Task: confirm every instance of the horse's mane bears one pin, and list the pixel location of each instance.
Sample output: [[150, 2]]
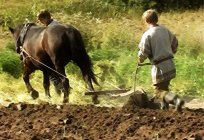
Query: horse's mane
[[20, 26], [32, 24]]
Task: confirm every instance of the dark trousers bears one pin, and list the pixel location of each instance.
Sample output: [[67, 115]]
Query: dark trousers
[[161, 89], [163, 85]]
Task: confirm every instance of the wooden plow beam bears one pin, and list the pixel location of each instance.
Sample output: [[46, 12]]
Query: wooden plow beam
[[103, 92]]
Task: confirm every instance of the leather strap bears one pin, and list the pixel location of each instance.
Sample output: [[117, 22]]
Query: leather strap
[[155, 62]]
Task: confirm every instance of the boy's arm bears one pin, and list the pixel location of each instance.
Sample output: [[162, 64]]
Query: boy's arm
[[141, 57], [174, 42], [144, 49]]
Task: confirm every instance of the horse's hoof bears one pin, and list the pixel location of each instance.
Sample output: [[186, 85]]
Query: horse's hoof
[[66, 100], [34, 94], [95, 100]]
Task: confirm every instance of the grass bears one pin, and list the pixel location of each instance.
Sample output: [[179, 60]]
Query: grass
[[111, 42]]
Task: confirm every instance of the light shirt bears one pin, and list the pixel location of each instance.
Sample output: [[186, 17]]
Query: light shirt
[[159, 45]]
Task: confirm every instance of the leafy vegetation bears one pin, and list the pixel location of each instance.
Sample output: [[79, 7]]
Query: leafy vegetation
[[9, 61], [111, 30]]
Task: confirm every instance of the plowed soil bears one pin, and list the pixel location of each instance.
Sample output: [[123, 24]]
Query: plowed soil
[[69, 122]]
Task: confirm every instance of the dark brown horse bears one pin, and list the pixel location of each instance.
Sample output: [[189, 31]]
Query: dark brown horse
[[50, 49]]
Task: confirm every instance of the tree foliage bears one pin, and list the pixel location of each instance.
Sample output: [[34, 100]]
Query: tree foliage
[[165, 5]]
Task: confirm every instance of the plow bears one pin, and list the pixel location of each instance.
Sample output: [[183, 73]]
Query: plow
[[140, 99], [135, 98], [120, 92]]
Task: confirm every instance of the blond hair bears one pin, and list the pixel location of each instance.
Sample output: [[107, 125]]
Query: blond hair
[[150, 16]]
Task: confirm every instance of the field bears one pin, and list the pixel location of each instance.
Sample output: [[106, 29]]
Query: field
[[111, 34], [77, 122]]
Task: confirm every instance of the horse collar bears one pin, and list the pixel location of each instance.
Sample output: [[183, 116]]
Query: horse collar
[[22, 34]]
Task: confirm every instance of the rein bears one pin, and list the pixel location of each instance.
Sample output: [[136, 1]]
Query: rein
[[21, 38], [28, 55]]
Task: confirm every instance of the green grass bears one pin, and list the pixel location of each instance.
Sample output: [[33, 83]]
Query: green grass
[[111, 39]]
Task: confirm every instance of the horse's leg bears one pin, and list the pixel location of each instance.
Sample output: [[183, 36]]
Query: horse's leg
[[65, 84], [46, 83], [26, 76], [91, 88], [56, 82]]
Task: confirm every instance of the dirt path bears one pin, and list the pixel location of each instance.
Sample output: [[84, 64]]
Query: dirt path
[[40, 122], [193, 102]]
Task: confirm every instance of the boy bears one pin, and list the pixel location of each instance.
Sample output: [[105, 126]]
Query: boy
[[45, 18], [159, 45]]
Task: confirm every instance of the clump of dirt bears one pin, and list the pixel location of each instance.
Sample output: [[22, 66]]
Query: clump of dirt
[[139, 100], [70, 122], [136, 100]]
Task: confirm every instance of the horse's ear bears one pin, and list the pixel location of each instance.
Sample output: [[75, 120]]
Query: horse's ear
[[11, 30]]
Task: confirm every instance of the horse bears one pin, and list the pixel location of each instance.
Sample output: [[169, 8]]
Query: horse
[[50, 49]]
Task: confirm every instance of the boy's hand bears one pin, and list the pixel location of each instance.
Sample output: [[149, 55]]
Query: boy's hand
[[140, 60]]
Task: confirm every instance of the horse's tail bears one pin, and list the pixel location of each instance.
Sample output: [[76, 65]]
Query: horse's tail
[[79, 54]]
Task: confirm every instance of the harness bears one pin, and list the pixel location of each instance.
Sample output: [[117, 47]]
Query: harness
[[23, 53], [21, 38]]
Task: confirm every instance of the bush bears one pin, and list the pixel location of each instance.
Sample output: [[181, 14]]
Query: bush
[[10, 62], [10, 47]]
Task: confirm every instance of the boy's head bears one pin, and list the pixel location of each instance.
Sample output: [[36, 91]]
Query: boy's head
[[150, 16], [44, 17]]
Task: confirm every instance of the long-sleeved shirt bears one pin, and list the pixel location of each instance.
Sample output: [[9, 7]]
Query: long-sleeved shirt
[[159, 45]]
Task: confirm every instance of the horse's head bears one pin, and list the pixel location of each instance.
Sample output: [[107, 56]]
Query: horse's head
[[19, 34], [16, 33]]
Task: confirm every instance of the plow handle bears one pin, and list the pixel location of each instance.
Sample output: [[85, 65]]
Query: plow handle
[[143, 64], [136, 71]]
